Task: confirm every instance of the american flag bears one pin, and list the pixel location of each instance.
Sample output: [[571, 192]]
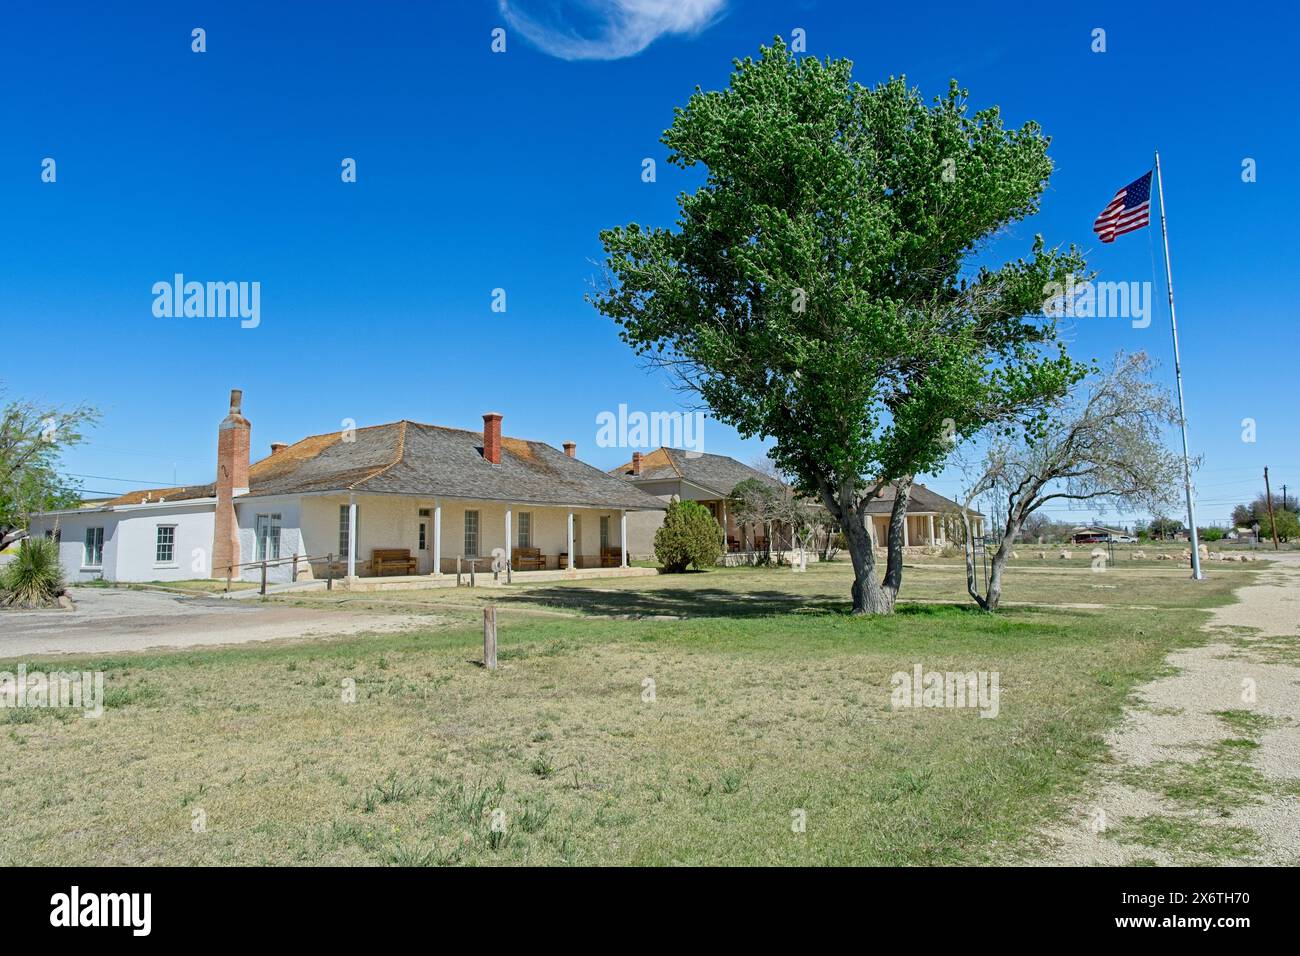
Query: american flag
[[1129, 210]]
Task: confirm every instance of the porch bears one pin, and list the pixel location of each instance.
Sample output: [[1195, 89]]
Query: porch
[[484, 579], [927, 529], [399, 537]]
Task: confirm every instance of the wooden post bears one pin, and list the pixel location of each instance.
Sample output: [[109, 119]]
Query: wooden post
[[458, 571], [263, 590], [490, 636], [473, 566], [329, 571], [295, 568], [1268, 496], [229, 571]]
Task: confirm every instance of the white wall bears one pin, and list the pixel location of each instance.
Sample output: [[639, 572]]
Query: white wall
[[291, 539], [72, 530], [136, 537], [130, 542]]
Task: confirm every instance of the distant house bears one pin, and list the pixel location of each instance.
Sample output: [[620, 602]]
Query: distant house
[[1095, 533], [400, 497], [668, 473], [932, 519]]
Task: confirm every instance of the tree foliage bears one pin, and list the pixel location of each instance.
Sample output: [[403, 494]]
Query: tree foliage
[[818, 288], [1288, 525], [31, 437]]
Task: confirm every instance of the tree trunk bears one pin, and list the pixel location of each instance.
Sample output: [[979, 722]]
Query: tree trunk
[[989, 602], [868, 595], [999, 563], [897, 519]]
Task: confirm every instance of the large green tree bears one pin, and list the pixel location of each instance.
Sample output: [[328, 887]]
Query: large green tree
[[819, 287]]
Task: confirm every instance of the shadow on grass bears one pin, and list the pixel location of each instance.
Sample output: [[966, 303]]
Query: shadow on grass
[[699, 602]]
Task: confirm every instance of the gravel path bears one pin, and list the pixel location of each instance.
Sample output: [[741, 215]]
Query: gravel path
[[109, 620], [1175, 792]]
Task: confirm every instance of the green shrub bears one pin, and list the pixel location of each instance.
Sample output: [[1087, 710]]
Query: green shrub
[[34, 578], [1211, 534], [689, 536]]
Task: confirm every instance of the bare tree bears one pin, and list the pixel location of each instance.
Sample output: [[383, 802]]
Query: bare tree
[[1103, 443]]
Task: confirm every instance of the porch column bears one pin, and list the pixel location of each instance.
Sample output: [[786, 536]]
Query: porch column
[[508, 551], [437, 537], [906, 540], [929, 520], [571, 564], [352, 536], [622, 536]]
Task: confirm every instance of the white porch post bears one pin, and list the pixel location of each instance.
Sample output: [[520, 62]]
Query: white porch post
[[508, 551], [437, 537], [571, 564], [622, 536], [929, 521], [906, 540], [352, 536]]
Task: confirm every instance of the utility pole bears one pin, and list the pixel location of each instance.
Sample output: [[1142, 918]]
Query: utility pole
[[1268, 496]]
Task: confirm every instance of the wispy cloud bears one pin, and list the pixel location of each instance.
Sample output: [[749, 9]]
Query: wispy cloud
[[605, 29]]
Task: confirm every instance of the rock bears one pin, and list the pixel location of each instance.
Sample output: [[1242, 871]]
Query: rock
[[65, 602], [1014, 555], [1099, 553], [1042, 555], [1139, 554], [1162, 556], [1066, 555]]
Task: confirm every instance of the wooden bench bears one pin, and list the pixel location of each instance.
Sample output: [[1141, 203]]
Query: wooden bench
[[611, 557], [397, 559], [528, 559]]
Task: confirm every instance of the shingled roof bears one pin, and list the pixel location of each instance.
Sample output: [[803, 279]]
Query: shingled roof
[[416, 459], [716, 473], [721, 474], [921, 500]]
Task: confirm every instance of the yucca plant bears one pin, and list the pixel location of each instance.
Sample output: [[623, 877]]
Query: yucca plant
[[34, 578]]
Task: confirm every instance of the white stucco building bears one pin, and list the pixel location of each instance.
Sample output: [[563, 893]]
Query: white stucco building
[[402, 491]]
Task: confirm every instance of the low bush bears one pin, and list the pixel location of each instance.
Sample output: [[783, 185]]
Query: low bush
[[690, 536], [34, 578]]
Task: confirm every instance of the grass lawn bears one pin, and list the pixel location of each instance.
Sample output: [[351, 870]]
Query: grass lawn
[[769, 699]]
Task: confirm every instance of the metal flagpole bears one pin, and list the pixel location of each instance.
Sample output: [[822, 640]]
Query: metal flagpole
[[1178, 377]]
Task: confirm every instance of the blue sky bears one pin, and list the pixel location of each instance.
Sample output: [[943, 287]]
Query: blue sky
[[479, 170]]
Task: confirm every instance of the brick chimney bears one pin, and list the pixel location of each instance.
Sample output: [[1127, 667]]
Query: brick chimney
[[571, 449], [636, 463], [232, 480], [492, 437], [278, 446]]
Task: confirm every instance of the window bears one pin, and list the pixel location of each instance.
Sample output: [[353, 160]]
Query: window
[[166, 545], [525, 529], [266, 528], [94, 555], [604, 532], [471, 534], [343, 529]]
